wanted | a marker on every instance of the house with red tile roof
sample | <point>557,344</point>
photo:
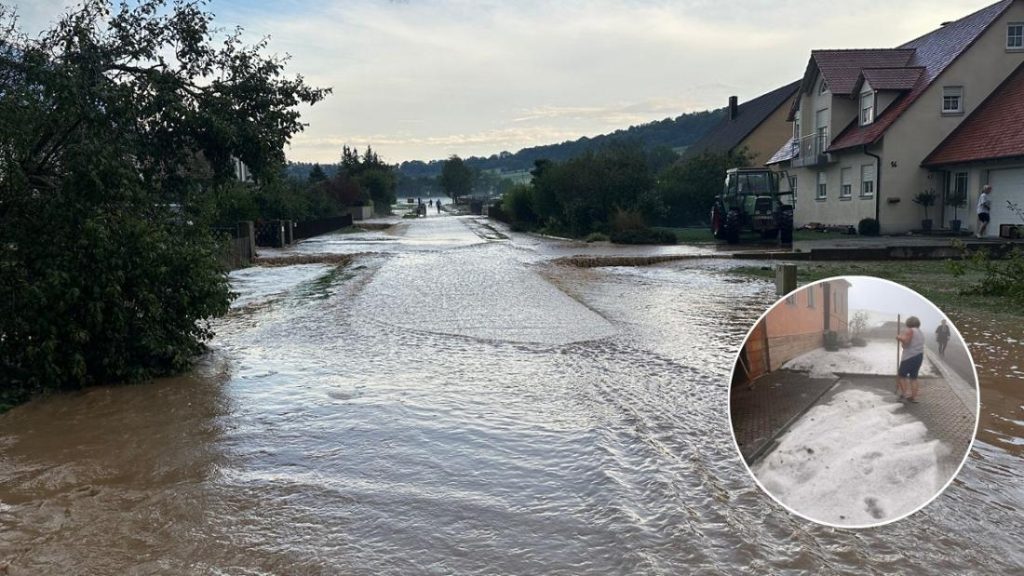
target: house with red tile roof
<point>866,122</point>
<point>988,147</point>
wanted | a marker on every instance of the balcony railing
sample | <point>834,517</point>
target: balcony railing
<point>811,151</point>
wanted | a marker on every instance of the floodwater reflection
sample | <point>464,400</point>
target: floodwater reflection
<point>335,429</point>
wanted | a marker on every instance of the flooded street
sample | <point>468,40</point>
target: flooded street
<point>452,402</point>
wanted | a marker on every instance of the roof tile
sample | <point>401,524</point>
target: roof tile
<point>933,52</point>
<point>728,134</point>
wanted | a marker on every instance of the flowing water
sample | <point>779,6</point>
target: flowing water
<point>453,403</point>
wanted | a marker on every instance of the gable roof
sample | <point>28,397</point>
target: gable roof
<point>993,131</point>
<point>933,53</point>
<point>841,69</point>
<point>890,78</point>
<point>729,133</point>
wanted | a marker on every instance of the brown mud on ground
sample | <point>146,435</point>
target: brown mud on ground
<point>291,259</point>
<point>998,350</point>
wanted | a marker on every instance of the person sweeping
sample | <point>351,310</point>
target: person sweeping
<point>912,340</point>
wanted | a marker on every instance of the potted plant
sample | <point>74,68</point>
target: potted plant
<point>956,200</point>
<point>925,199</point>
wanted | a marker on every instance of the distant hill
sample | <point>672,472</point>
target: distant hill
<point>675,133</point>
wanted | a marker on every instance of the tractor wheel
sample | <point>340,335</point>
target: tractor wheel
<point>716,223</point>
<point>786,227</point>
<point>731,228</point>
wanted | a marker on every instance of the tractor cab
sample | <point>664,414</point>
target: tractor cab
<point>756,199</point>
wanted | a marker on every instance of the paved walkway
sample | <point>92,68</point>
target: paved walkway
<point>764,410</point>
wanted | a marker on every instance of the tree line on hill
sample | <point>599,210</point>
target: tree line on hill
<point>670,133</point>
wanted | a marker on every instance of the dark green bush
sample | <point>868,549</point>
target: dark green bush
<point>868,227</point>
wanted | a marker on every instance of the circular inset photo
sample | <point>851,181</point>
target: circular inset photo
<point>854,402</point>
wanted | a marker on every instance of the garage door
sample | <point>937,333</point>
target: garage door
<point>1006,185</point>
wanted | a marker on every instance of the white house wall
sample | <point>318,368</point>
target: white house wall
<point>922,127</point>
<point>833,210</point>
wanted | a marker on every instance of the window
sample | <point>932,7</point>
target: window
<point>952,99</point>
<point>822,185</point>
<point>823,87</point>
<point>845,182</point>
<point>821,131</point>
<point>867,108</point>
<point>1015,36</point>
<point>810,296</point>
<point>960,184</point>
<point>867,180</point>
<point>792,186</point>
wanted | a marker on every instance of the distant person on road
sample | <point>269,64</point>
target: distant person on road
<point>438,205</point>
<point>984,206</point>
<point>942,337</point>
<point>913,355</point>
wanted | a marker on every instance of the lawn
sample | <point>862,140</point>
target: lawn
<point>931,278</point>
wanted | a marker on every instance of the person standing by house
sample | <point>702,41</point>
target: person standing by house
<point>984,205</point>
<point>912,340</point>
<point>942,337</point>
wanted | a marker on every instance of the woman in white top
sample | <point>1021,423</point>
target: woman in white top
<point>913,355</point>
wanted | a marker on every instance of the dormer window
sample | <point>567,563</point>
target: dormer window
<point>867,108</point>
<point>953,100</point>
<point>1015,36</point>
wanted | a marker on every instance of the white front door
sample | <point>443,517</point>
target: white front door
<point>1006,185</point>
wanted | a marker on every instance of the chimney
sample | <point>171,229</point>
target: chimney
<point>733,107</point>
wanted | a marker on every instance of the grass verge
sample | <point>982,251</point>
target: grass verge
<point>932,279</point>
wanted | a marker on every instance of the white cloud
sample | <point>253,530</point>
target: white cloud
<point>427,78</point>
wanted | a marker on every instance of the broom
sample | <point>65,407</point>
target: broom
<point>898,324</point>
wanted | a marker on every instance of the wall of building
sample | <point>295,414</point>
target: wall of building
<point>833,210</point>
<point>767,138</point>
<point>794,327</point>
<point>922,127</point>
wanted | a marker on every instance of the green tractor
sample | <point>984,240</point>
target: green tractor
<point>756,199</point>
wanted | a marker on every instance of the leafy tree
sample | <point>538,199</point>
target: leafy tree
<point>119,126</point>
<point>688,188</point>
<point>582,194</point>
<point>373,175</point>
<point>316,174</point>
<point>456,178</point>
<point>517,204</point>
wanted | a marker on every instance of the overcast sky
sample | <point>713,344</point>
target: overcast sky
<point>882,296</point>
<point>424,79</point>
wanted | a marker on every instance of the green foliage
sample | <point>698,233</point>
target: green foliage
<point>658,138</point>
<point>316,174</point>
<point>115,158</point>
<point>925,199</point>
<point>582,194</point>
<point>374,176</point>
<point>596,237</point>
<point>517,205</point>
<point>868,227</point>
<point>998,277</point>
<point>456,178</point>
<point>956,200</point>
<point>688,188</point>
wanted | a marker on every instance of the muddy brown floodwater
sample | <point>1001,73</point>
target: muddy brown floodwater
<point>453,403</point>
